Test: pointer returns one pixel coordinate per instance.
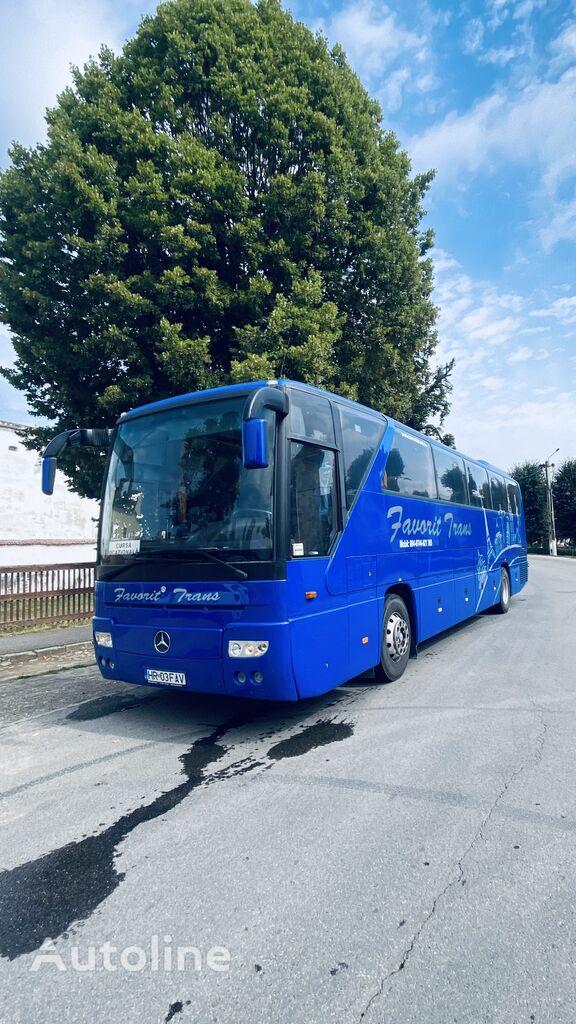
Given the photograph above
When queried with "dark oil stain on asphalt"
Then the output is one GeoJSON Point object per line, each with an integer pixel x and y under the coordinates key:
{"type": "Point", "coordinates": [340, 966]}
{"type": "Point", "coordinates": [42, 898]}
{"type": "Point", "coordinates": [108, 705]}
{"type": "Point", "coordinates": [322, 732]}
{"type": "Point", "coordinates": [175, 1008]}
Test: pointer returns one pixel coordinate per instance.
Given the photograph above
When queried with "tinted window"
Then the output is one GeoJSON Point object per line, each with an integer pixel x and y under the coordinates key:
{"type": "Point", "coordinates": [409, 467]}
{"type": "Point", "coordinates": [313, 517]}
{"type": "Point", "coordinates": [474, 485]}
{"type": "Point", "coordinates": [450, 476]}
{"type": "Point", "coordinates": [310, 416]}
{"type": "Point", "coordinates": [499, 498]}
{"type": "Point", "coordinates": [486, 492]}
{"type": "Point", "coordinates": [478, 486]}
{"type": "Point", "coordinates": [361, 435]}
{"type": "Point", "coordinates": [512, 498]}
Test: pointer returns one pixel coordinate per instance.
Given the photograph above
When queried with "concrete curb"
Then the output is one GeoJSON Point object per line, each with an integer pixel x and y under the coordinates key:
{"type": "Point", "coordinates": [24, 657]}
{"type": "Point", "coordinates": [27, 664]}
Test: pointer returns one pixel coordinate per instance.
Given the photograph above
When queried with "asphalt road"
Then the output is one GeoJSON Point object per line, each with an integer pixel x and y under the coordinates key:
{"type": "Point", "coordinates": [386, 854]}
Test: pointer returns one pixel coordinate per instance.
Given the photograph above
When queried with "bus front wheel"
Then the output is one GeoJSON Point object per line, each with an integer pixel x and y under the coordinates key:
{"type": "Point", "coordinates": [396, 640]}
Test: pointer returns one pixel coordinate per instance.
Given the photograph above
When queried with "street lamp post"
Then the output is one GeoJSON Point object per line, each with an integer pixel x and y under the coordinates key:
{"type": "Point", "coordinates": [548, 468]}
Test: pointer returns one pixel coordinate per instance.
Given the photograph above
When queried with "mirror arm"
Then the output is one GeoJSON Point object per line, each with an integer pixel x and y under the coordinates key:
{"type": "Point", "coordinates": [79, 436]}
{"type": "Point", "coordinates": [265, 398]}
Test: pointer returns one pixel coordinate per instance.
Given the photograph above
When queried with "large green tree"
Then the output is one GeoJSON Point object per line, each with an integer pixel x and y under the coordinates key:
{"type": "Point", "coordinates": [533, 486]}
{"type": "Point", "coordinates": [219, 202]}
{"type": "Point", "coordinates": [564, 489]}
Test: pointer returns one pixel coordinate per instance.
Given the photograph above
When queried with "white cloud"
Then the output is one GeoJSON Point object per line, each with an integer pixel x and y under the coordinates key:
{"type": "Point", "coordinates": [520, 355]}
{"type": "Point", "coordinates": [500, 56]}
{"type": "Point", "coordinates": [393, 90]}
{"type": "Point", "coordinates": [501, 385]}
{"type": "Point", "coordinates": [563, 50]}
{"type": "Point", "coordinates": [40, 40]}
{"type": "Point", "coordinates": [372, 36]}
{"type": "Point", "coordinates": [533, 128]}
{"type": "Point", "coordinates": [492, 383]}
{"type": "Point", "coordinates": [563, 310]}
{"type": "Point", "coordinates": [473, 36]}
{"type": "Point", "coordinates": [391, 60]}
{"type": "Point", "coordinates": [561, 226]}
{"type": "Point", "coordinates": [536, 125]}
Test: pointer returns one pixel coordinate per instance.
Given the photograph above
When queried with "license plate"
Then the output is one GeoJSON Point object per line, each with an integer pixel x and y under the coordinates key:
{"type": "Point", "coordinates": [158, 675]}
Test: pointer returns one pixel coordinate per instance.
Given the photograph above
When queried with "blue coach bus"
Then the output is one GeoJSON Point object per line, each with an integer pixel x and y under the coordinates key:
{"type": "Point", "coordinates": [272, 540]}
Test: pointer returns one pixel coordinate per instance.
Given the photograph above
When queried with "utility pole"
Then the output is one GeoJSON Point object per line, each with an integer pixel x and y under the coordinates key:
{"type": "Point", "coordinates": [548, 470]}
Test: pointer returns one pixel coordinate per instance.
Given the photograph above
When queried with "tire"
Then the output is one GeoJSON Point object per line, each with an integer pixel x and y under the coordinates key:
{"type": "Point", "coordinates": [396, 640]}
{"type": "Point", "coordinates": [503, 603]}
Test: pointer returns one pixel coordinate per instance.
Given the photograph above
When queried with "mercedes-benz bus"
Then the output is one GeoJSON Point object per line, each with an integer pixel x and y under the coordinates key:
{"type": "Point", "coordinates": [272, 540]}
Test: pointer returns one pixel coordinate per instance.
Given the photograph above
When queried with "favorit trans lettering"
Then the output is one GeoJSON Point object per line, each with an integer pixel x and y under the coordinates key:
{"type": "Point", "coordinates": [410, 526]}
{"type": "Point", "coordinates": [179, 595]}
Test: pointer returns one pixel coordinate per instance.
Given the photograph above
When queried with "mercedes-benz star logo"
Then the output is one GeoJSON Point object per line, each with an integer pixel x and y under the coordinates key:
{"type": "Point", "coordinates": [162, 642]}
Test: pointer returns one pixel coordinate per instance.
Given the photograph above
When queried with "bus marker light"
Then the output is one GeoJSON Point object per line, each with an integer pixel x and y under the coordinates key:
{"type": "Point", "coordinates": [311, 594]}
{"type": "Point", "coordinates": [364, 639]}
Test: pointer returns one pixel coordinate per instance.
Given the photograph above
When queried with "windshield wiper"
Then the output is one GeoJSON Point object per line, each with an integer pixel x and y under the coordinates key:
{"type": "Point", "coordinates": [146, 559]}
{"type": "Point", "coordinates": [239, 573]}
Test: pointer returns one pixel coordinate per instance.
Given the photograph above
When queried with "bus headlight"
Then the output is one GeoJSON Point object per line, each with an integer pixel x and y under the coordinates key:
{"type": "Point", "coordinates": [247, 648]}
{"type": "Point", "coordinates": [103, 639]}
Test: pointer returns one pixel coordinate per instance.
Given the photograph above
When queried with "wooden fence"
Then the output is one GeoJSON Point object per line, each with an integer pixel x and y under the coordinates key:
{"type": "Point", "coordinates": [31, 595]}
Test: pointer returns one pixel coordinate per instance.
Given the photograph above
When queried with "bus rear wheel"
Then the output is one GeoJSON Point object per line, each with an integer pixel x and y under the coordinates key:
{"type": "Point", "coordinates": [396, 640]}
{"type": "Point", "coordinates": [503, 603]}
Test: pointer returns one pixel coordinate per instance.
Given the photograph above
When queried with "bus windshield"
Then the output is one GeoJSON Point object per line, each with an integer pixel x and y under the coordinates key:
{"type": "Point", "coordinates": [176, 483]}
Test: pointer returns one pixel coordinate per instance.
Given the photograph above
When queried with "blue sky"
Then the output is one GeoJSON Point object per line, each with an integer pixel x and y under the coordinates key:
{"type": "Point", "coordinates": [483, 92]}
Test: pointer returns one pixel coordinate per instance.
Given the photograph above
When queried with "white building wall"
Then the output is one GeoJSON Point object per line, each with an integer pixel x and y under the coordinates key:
{"type": "Point", "coordinates": [34, 527]}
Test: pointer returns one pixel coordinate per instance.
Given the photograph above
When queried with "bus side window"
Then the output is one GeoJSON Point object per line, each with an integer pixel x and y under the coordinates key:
{"type": "Point", "coordinates": [409, 468]}
{"type": "Point", "coordinates": [474, 484]}
{"type": "Point", "coordinates": [499, 496]}
{"type": "Point", "coordinates": [361, 435]}
{"type": "Point", "coordinates": [450, 477]}
{"type": "Point", "coordinates": [310, 416]}
{"type": "Point", "coordinates": [485, 489]}
{"type": "Point", "coordinates": [478, 486]}
{"type": "Point", "coordinates": [513, 499]}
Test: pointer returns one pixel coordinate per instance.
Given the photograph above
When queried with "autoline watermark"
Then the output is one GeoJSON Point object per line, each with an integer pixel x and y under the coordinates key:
{"type": "Point", "coordinates": [160, 956]}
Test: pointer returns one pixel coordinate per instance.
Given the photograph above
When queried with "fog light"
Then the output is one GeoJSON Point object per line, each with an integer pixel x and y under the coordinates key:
{"type": "Point", "coordinates": [103, 639]}
{"type": "Point", "coordinates": [247, 648]}
{"type": "Point", "coordinates": [258, 677]}
{"type": "Point", "coordinates": [240, 678]}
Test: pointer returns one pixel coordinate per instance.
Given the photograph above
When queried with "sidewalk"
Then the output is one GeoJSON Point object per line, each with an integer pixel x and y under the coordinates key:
{"type": "Point", "coordinates": [35, 641]}
{"type": "Point", "coordinates": [48, 650]}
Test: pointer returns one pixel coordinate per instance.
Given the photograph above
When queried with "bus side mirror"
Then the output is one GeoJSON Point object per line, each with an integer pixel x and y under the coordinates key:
{"type": "Point", "coordinates": [48, 475]}
{"type": "Point", "coordinates": [254, 448]}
